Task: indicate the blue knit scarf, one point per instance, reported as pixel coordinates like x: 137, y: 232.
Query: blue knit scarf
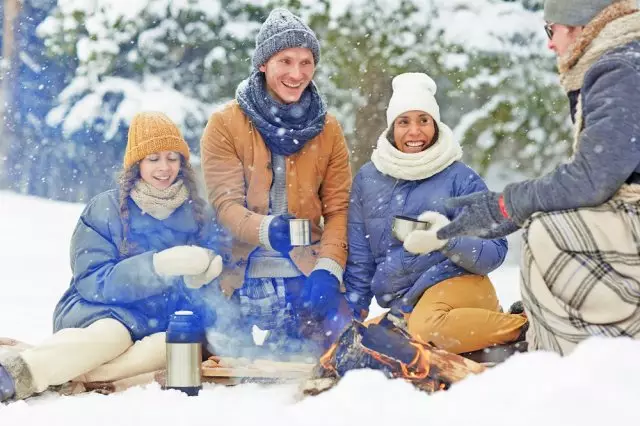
x: 285, y: 128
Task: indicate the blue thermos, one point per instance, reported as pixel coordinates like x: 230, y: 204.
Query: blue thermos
x: 184, y: 353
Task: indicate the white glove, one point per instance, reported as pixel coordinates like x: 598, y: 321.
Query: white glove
x: 212, y: 272
x: 423, y: 242
x: 181, y: 260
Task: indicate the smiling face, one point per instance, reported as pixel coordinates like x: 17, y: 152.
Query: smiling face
x: 288, y: 73
x: 160, y: 169
x: 414, y: 131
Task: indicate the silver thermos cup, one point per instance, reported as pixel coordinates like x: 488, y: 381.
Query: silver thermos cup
x: 184, y: 353
x: 300, y: 232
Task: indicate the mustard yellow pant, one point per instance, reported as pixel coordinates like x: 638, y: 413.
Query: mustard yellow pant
x: 462, y: 314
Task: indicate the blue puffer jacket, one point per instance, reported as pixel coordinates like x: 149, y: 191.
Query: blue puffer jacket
x: 104, y: 285
x: 378, y: 264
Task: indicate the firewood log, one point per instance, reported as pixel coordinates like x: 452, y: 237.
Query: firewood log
x: 392, y: 350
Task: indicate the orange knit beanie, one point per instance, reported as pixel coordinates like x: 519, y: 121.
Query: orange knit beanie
x: 152, y: 132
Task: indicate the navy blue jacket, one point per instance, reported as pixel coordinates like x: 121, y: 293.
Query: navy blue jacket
x: 106, y: 285
x: 378, y: 264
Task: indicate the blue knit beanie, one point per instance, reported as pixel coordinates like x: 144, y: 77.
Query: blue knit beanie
x: 283, y: 30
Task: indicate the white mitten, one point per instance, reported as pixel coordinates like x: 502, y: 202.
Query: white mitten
x: 423, y: 242
x: 181, y: 260
x: 212, y: 272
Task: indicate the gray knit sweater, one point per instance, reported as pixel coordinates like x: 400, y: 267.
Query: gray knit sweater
x: 265, y: 262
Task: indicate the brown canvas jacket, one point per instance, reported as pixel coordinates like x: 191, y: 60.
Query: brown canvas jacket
x: 237, y: 170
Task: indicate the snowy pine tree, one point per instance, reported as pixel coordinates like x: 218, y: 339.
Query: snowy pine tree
x: 498, y: 86
x: 37, y: 161
x: 497, y: 83
x: 181, y: 57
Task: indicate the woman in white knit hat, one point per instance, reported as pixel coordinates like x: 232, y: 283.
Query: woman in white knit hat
x: 441, y: 287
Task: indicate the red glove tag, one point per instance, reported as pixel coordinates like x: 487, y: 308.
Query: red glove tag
x: 503, y: 208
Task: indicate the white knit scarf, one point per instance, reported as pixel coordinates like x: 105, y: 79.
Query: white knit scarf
x: 159, y: 203
x: 417, y: 166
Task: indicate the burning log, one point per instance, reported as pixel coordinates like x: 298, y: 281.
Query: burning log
x: 389, y: 348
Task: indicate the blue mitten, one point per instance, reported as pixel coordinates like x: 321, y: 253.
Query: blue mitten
x: 484, y: 215
x: 279, y: 233
x: 321, y: 293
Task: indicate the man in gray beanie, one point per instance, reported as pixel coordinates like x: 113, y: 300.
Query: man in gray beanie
x: 581, y: 221
x: 283, y: 30
x: 271, y: 155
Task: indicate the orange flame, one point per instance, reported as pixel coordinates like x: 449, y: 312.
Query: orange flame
x: 326, y: 360
x: 416, y: 371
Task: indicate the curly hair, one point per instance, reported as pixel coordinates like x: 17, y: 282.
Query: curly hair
x: 127, y: 179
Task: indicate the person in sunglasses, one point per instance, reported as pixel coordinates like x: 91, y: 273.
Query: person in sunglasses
x: 581, y: 221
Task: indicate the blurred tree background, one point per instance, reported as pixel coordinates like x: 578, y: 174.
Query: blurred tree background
x: 82, y: 68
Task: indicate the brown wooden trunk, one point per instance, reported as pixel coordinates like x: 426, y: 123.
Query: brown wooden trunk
x: 11, y: 10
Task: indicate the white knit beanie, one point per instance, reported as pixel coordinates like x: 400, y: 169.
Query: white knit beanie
x: 412, y: 91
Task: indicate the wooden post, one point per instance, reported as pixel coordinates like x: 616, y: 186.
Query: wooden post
x: 11, y: 10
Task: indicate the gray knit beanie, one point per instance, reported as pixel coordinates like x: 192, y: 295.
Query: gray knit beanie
x: 575, y: 13
x: 283, y: 30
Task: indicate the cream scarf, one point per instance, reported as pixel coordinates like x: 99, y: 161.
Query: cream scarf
x: 390, y: 161
x: 159, y: 203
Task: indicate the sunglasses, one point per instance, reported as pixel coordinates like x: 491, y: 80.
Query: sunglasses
x: 548, y: 28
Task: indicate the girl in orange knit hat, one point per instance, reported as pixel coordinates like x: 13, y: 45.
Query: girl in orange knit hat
x: 138, y: 254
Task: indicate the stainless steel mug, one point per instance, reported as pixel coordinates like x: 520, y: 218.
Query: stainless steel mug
x: 403, y: 225
x: 300, y: 232
x: 184, y: 353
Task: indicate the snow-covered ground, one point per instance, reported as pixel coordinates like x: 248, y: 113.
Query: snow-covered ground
x: 598, y: 384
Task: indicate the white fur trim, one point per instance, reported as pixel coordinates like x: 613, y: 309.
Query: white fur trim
x: 417, y: 166
x: 19, y: 372
x: 615, y: 33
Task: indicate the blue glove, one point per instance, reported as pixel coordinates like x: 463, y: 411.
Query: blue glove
x: 321, y: 293
x: 279, y: 233
x: 484, y: 215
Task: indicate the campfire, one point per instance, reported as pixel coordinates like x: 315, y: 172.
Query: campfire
x: 388, y: 347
